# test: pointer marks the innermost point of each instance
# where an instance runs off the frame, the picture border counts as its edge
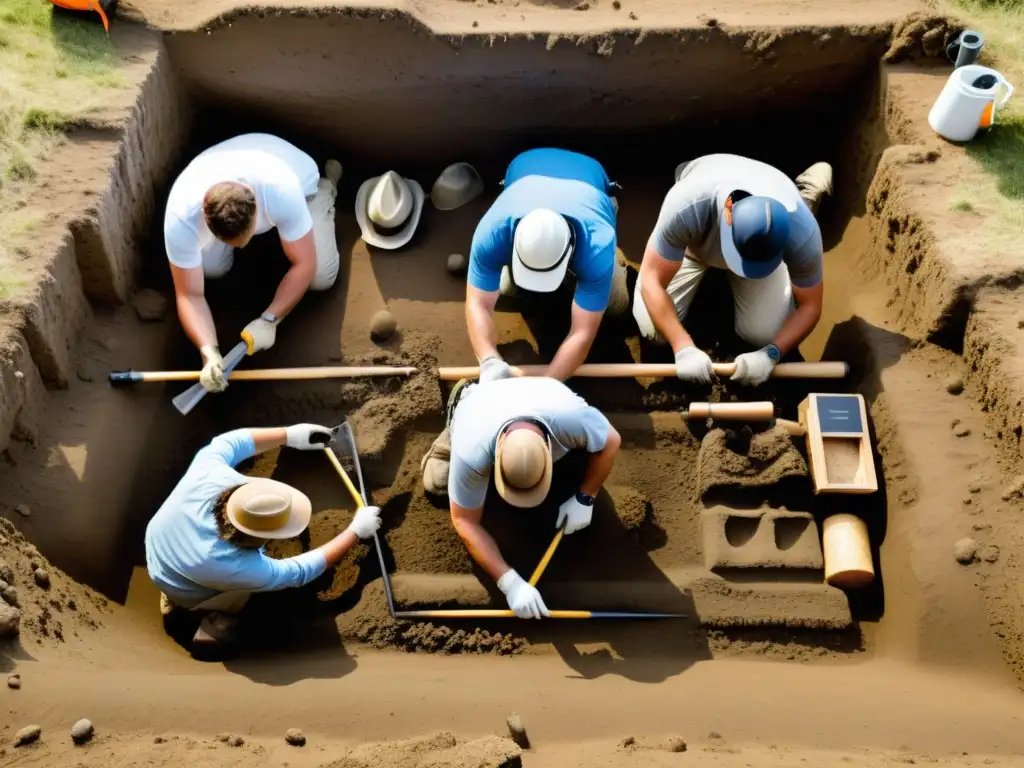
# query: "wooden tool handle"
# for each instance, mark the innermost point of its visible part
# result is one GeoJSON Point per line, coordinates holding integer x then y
{"type": "Point", "coordinates": [267, 374]}
{"type": "Point", "coordinates": [757, 411]}
{"type": "Point", "coordinates": [543, 564]}
{"type": "Point", "coordinates": [794, 428]}
{"type": "Point", "coordinates": [344, 476]}
{"type": "Point", "coordinates": [826, 370]}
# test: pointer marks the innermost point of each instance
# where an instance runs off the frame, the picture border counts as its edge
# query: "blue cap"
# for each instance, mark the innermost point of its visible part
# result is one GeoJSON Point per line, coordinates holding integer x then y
{"type": "Point", "coordinates": [754, 241]}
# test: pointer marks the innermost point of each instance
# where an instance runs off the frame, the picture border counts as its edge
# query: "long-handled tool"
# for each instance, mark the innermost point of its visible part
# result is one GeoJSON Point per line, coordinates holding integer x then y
{"type": "Point", "coordinates": [762, 410]}
{"type": "Point", "coordinates": [543, 564]}
{"type": "Point", "coordinates": [190, 398]}
{"type": "Point", "coordinates": [487, 613]}
{"type": "Point", "coordinates": [359, 497]}
{"type": "Point", "coordinates": [824, 370]}
{"type": "Point", "coordinates": [266, 374]}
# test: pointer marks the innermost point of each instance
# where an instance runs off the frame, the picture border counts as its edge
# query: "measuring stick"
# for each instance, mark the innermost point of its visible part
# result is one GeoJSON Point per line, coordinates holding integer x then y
{"type": "Point", "coordinates": [265, 374]}
{"type": "Point", "coordinates": [825, 370]}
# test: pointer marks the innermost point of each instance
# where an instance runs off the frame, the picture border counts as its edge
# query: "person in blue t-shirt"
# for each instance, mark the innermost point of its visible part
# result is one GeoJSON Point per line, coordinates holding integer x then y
{"type": "Point", "coordinates": [555, 217]}
{"type": "Point", "coordinates": [204, 546]}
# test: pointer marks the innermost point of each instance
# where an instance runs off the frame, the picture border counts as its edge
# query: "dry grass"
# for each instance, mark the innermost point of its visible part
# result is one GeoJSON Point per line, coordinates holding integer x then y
{"type": "Point", "coordinates": [55, 72]}
{"type": "Point", "coordinates": [999, 195]}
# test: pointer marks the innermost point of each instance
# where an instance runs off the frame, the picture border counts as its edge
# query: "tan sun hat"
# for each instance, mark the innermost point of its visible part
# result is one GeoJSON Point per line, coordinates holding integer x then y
{"type": "Point", "coordinates": [388, 210]}
{"type": "Point", "coordinates": [268, 509]}
{"type": "Point", "coordinates": [522, 467]}
{"type": "Point", "coordinates": [457, 185]}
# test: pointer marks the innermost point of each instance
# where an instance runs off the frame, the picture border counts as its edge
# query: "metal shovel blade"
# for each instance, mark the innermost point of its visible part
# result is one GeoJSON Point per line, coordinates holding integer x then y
{"type": "Point", "coordinates": [190, 398]}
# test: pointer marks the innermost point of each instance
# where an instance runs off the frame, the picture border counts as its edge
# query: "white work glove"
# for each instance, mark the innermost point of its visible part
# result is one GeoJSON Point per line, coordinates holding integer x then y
{"type": "Point", "coordinates": [309, 437]}
{"type": "Point", "coordinates": [493, 368]}
{"type": "Point", "coordinates": [576, 516]}
{"type": "Point", "coordinates": [523, 598]}
{"type": "Point", "coordinates": [259, 335]}
{"type": "Point", "coordinates": [693, 364]}
{"type": "Point", "coordinates": [212, 375]}
{"type": "Point", "coordinates": [753, 368]}
{"type": "Point", "coordinates": [366, 522]}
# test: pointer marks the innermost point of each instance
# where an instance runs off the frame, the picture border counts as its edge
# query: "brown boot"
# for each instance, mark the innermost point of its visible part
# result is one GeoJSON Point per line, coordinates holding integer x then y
{"type": "Point", "coordinates": [435, 464]}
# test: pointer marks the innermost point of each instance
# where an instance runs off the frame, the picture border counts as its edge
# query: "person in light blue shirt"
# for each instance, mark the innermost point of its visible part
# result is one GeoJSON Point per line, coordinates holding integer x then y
{"type": "Point", "coordinates": [554, 218]}
{"type": "Point", "coordinates": [204, 546]}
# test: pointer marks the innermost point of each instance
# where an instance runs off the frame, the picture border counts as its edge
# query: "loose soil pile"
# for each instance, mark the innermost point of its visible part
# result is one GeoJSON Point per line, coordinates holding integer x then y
{"type": "Point", "coordinates": [733, 459]}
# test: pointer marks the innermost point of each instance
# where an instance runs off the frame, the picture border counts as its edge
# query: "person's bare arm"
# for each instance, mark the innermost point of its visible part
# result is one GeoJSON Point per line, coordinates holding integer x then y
{"type": "Point", "coordinates": [574, 348]}
{"type": "Point", "coordinates": [655, 274]}
{"type": "Point", "coordinates": [601, 463]}
{"type": "Point", "coordinates": [193, 311]}
{"type": "Point", "coordinates": [483, 333]}
{"type": "Point", "coordinates": [801, 322]}
{"type": "Point", "coordinates": [293, 286]}
{"type": "Point", "coordinates": [336, 548]}
{"type": "Point", "coordinates": [481, 545]}
{"type": "Point", "coordinates": [266, 438]}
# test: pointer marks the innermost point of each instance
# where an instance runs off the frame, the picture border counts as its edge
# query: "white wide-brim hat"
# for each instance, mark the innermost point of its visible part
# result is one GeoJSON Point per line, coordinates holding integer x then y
{"type": "Point", "coordinates": [457, 185]}
{"type": "Point", "coordinates": [392, 203]}
{"type": "Point", "coordinates": [269, 509]}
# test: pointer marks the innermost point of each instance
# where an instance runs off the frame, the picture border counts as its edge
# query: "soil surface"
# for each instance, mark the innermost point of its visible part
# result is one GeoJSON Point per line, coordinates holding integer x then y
{"type": "Point", "coordinates": [926, 659]}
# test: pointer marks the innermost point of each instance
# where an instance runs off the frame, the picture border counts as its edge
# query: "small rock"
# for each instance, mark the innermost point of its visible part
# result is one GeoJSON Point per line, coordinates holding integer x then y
{"type": "Point", "coordinates": [990, 554]}
{"type": "Point", "coordinates": [1014, 489]}
{"type": "Point", "coordinates": [149, 305]}
{"type": "Point", "coordinates": [616, 5]}
{"type": "Point", "coordinates": [10, 621]}
{"type": "Point", "coordinates": [476, 24]}
{"type": "Point", "coordinates": [223, 737]}
{"type": "Point", "coordinates": [632, 16]}
{"type": "Point", "coordinates": [629, 741]}
{"type": "Point", "coordinates": [27, 735]}
{"type": "Point", "coordinates": [675, 744]}
{"type": "Point", "coordinates": [14, 682]}
{"type": "Point", "coordinates": [11, 596]}
{"type": "Point", "coordinates": [6, 572]}
{"type": "Point", "coordinates": [954, 384]}
{"type": "Point", "coordinates": [42, 578]}
{"type": "Point", "coordinates": [3, 585]}
{"type": "Point", "coordinates": [968, 501]}
{"type": "Point", "coordinates": [159, 740]}
{"type": "Point", "coordinates": [383, 326]}
{"type": "Point", "coordinates": [235, 741]}
{"type": "Point", "coordinates": [457, 263]}
{"type": "Point", "coordinates": [517, 730]}
{"type": "Point", "coordinates": [84, 375]}
{"type": "Point", "coordinates": [19, 375]}
{"type": "Point", "coordinates": [82, 731]}
{"type": "Point", "coordinates": [961, 430]}
{"type": "Point", "coordinates": [295, 737]}
{"type": "Point", "coordinates": [974, 487]}
{"type": "Point", "coordinates": [715, 736]}
{"type": "Point", "coordinates": [23, 510]}
{"type": "Point", "coordinates": [965, 550]}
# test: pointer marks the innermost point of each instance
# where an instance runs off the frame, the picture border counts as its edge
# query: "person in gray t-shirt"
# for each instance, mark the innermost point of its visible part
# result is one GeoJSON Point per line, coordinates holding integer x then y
{"type": "Point", "coordinates": [519, 427]}
{"type": "Point", "coordinates": [731, 212]}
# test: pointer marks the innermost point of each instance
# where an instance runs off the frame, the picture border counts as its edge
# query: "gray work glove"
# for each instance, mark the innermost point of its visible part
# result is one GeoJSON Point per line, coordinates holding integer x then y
{"type": "Point", "coordinates": [754, 368]}
{"type": "Point", "coordinates": [493, 368]}
{"type": "Point", "coordinates": [212, 376]}
{"type": "Point", "coordinates": [693, 364]}
{"type": "Point", "coordinates": [309, 437]}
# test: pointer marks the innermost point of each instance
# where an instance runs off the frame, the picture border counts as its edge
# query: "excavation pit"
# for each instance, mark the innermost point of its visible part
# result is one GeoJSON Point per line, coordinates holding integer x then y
{"type": "Point", "coordinates": [382, 92]}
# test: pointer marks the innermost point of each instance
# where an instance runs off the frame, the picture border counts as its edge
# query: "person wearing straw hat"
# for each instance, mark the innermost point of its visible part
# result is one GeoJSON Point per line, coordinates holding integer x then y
{"type": "Point", "coordinates": [518, 428]}
{"type": "Point", "coordinates": [388, 210]}
{"type": "Point", "coordinates": [555, 219]}
{"type": "Point", "coordinates": [234, 190]}
{"type": "Point", "coordinates": [733, 213]}
{"type": "Point", "coordinates": [204, 546]}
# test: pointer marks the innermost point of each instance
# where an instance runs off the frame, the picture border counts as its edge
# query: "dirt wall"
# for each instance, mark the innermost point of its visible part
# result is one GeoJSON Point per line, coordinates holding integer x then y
{"type": "Point", "coordinates": [385, 89]}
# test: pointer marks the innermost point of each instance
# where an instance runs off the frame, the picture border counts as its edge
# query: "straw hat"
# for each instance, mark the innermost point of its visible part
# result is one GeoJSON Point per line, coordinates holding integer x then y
{"type": "Point", "coordinates": [388, 210]}
{"type": "Point", "coordinates": [522, 467]}
{"type": "Point", "coordinates": [457, 185]}
{"type": "Point", "coordinates": [268, 509]}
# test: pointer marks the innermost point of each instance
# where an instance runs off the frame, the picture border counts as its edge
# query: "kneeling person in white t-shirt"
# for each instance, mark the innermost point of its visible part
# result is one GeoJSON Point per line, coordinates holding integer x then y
{"type": "Point", "coordinates": [242, 187]}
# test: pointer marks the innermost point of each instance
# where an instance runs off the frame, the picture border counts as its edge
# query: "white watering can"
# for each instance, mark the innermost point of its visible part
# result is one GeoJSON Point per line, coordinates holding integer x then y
{"type": "Point", "coordinates": [968, 102]}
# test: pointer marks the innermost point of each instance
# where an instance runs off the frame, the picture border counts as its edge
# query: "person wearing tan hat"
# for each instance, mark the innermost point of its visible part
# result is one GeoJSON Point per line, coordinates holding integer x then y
{"type": "Point", "coordinates": [518, 428]}
{"type": "Point", "coordinates": [204, 546]}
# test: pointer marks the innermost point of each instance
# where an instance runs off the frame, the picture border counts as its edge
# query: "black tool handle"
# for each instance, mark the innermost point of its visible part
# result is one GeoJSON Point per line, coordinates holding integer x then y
{"type": "Point", "coordinates": [119, 378]}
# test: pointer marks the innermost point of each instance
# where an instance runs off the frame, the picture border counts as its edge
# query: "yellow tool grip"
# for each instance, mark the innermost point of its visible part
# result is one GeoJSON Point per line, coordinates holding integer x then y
{"type": "Point", "coordinates": [250, 345]}
{"type": "Point", "coordinates": [344, 476]}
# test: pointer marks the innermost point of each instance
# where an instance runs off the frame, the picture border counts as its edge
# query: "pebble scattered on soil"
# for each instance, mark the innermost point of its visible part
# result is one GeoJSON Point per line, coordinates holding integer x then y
{"type": "Point", "coordinates": [23, 510]}
{"type": "Point", "coordinates": [11, 596]}
{"type": "Point", "coordinates": [27, 735]}
{"type": "Point", "coordinates": [517, 731]}
{"type": "Point", "coordinates": [6, 572]}
{"type": "Point", "coordinates": [149, 305]}
{"type": "Point", "coordinates": [965, 550]}
{"type": "Point", "coordinates": [1014, 489]}
{"type": "Point", "coordinates": [235, 741]}
{"type": "Point", "coordinates": [616, 5]}
{"type": "Point", "coordinates": [295, 737]}
{"type": "Point", "coordinates": [14, 682]}
{"type": "Point", "coordinates": [961, 430]}
{"type": "Point", "coordinates": [954, 384]}
{"type": "Point", "coordinates": [42, 578]}
{"type": "Point", "coordinates": [632, 16]}
{"type": "Point", "coordinates": [457, 263]}
{"type": "Point", "coordinates": [974, 487]}
{"type": "Point", "coordinates": [10, 621]}
{"type": "Point", "coordinates": [159, 740]}
{"type": "Point", "coordinates": [383, 326]}
{"type": "Point", "coordinates": [82, 731]}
